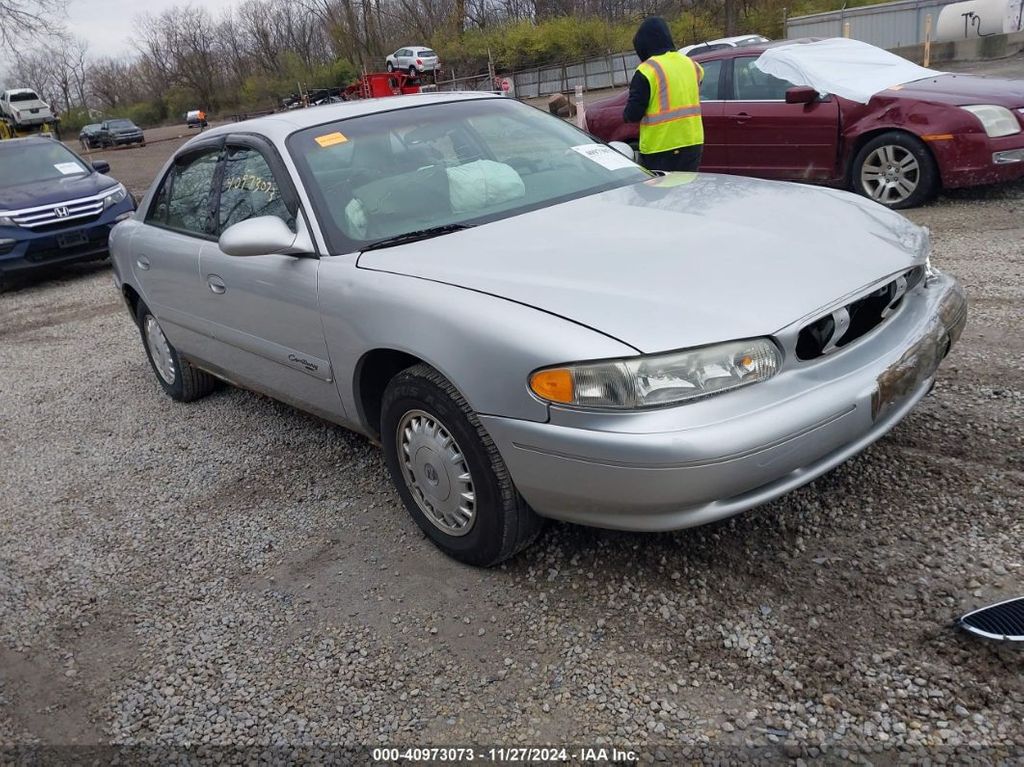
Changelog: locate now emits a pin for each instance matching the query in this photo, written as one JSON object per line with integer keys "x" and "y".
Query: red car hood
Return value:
{"x": 961, "y": 90}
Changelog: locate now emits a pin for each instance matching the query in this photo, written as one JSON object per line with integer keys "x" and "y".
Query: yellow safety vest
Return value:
{"x": 673, "y": 119}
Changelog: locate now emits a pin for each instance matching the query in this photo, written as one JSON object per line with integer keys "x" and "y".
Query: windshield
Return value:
{"x": 379, "y": 176}
{"x": 121, "y": 124}
{"x": 45, "y": 161}
{"x": 24, "y": 96}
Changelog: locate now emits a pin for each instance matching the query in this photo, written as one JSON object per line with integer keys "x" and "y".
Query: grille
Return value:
{"x": 858, "y": 318}
{"x": 1004, "y": 620}
{"x": 55, "y": 216}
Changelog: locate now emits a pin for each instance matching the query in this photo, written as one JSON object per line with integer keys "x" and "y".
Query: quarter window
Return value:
{"x": 751, "y": 84}
{"x": 249, "y": 189}
{"x": 183, "y": 201}
{"x": 709, "y": 85}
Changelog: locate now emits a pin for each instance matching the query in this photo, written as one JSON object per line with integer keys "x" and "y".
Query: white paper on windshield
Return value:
{"x": 68, "y": 168}
{"x": 604, "y": 156}
{"x": 851, "y": 69}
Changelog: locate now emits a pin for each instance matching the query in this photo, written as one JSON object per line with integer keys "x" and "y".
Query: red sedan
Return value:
{"x": 899, "y": 148}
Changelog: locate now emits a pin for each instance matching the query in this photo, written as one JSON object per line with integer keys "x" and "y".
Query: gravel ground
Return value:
{"x": 237, "y": 572}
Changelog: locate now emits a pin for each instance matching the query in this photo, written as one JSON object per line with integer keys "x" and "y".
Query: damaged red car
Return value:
{"x": 846, "y": 114}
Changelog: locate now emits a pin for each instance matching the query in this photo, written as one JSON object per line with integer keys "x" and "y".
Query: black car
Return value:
{"x": 55, "y": 207}
{"x": 119, "y": 132}
{"x": 87, "y": 136}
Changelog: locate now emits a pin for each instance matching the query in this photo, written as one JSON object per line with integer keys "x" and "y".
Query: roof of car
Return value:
{"x": 21, "y": 143}
{"x": 746, "y": 50}
{"x": 281, "y": 124}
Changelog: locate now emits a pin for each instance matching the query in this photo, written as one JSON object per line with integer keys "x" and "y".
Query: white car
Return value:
{"x": 415, "y": 60}
{"x": 24, "y": 108}
{"x": 722, "y": 42}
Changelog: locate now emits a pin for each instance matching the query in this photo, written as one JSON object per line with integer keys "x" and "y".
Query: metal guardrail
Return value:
{"x": 615, "y": 69}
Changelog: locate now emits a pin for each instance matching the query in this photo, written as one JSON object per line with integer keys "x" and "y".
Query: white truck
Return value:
{"x": 23, "y": 108}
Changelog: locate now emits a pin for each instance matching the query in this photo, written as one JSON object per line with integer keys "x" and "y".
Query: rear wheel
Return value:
{"x": 449, "y": 473}
{"x": 178, "y": 377}
{"x": 895, "y": 169}
{"x": 413, "y": 73}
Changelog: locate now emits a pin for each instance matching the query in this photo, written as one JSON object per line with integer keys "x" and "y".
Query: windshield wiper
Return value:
{"x": 419, "y": 234}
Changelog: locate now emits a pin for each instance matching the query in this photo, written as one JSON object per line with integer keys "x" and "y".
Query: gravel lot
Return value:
{"x": 237, "y": 572}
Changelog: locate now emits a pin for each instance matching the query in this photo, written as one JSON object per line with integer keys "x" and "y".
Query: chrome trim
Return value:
{"x": 961, "y": 622}
{"x": 45, "y": 215}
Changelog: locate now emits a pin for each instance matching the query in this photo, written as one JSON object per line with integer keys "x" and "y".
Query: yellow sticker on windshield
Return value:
{"x": 331, "y": 139}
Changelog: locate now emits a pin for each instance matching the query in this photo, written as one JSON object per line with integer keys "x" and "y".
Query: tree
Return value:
{"x": 28, "y": 18}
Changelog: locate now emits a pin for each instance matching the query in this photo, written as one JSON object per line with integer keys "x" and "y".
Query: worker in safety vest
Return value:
{"x": 664, "y": 97}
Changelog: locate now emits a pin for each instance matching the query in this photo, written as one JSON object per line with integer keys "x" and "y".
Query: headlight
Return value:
{"x": 659, "y": 379}
{"x": 7, "y": 221}
{"x": 115, "y": 196}
{"x": 997, "y": 121}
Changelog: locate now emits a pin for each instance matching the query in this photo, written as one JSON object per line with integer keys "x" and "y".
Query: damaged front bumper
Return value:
{"x": 693, "y": 464}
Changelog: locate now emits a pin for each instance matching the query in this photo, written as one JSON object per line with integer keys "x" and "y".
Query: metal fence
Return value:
{"x": 615, "y": 69}
{"x": 888, "y": 25}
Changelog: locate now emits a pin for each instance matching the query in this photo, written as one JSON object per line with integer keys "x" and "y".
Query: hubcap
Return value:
{"x": 890, "y": 174}
{"x": 436, "y": 473}
{"x": 159, "y": 350}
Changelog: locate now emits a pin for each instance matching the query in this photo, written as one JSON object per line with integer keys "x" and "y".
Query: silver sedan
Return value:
{"x": 530, "y": 324}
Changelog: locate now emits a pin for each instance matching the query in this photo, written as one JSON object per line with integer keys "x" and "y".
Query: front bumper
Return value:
{"x": 694, "y": 464}
{"x": 125, "y": 139}
{"x": 39, "y": 250}
{"x": 975, "y": 159}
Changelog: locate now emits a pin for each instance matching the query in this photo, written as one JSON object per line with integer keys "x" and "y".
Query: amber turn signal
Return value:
{"x": 553, "y": 385}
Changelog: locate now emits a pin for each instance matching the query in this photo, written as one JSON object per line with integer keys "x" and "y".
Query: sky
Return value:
{"x": 108, "y": 24}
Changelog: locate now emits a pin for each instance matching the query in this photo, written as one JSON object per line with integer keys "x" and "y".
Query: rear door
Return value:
{"x": 263, "y": 310}
{"x": 166, "y": 248}
{"x": 712, "y": 109}
{"x": 769, "y": 138}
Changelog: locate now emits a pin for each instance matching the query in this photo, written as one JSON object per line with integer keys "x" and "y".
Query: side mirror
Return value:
{"x": 263, "y": 236}
{"x": 623, "y": 148}
{"x": 801, "y": 94}
{"x": 101, "y": 166}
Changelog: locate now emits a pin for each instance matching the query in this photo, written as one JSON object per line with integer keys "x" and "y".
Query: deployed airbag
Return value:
{"x": 851, "y": 69}
{"x": 482, "y": 183}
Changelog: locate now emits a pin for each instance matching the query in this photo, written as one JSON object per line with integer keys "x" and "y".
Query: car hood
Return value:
{"x": 677, "y": 261}
{"x": 51, "y": 192}
{"x": 961, "y": 90}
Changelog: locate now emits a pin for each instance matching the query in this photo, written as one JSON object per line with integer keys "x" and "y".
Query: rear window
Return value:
{"x": 27, "y": 96}
{"x": 427, "y": 54}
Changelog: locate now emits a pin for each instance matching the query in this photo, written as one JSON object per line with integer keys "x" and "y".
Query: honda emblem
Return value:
{"x": 62, "y": 211}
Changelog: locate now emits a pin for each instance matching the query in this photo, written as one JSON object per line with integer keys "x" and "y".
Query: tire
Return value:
{"x": 500, "y": 523}
{"x": 413, "y": 73}
{"x": 390, "y": 67}
{"x": 181, "y": 380}
{"x": 895, "y": 169}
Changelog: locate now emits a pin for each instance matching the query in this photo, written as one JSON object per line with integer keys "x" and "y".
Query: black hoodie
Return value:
{"x": 652, "y": 38}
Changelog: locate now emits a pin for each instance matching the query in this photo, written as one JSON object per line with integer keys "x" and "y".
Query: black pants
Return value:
{"x": 685, "y": 158}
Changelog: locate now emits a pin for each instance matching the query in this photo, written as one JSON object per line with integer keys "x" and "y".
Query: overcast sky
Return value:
{"x": 108, "y": 24}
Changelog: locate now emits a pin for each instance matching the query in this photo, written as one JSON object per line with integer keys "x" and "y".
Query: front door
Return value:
{"x": 769, "y": 138}
{"x": 263, "y": 310}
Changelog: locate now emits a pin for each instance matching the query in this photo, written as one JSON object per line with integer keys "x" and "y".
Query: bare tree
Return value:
{"x": 20, "y": 19}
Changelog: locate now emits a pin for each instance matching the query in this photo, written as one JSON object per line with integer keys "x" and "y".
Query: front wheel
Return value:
{"x": 895, "y": 169}
{"x": 391, "y": 67}
{"x": 449, "y": 473}
{"x": 177, "y": 377}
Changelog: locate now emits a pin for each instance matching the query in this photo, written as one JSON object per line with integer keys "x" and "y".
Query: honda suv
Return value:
{"x": 55, "y": 208}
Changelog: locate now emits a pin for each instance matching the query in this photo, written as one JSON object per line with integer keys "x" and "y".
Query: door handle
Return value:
{"x": 742, "y": 117}
{"x": 216, "y": 284}
{"x": 143, "y": 262}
